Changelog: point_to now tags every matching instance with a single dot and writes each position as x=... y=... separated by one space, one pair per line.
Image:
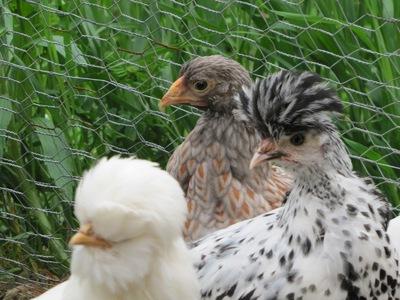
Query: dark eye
x=200 y=85
x=297 y=139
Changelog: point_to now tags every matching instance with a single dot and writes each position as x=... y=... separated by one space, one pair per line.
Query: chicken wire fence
x=82 y=79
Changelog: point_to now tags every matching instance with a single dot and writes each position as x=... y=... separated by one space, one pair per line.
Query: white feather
x=237 y=258
x=140 y=210
x=394 y=233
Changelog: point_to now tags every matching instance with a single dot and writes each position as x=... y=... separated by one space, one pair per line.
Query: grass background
x=82 y=79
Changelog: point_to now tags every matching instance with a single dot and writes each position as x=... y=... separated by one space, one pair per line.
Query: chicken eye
x=297 y=139
x=200 y=85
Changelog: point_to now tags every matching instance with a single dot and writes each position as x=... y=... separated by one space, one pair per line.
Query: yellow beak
x=85 y=237
x=267 y=150
x=180 y=93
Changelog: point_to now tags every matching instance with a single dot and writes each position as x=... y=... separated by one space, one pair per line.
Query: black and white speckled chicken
x=329 y=240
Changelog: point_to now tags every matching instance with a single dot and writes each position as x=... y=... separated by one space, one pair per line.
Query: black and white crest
x=287 y=102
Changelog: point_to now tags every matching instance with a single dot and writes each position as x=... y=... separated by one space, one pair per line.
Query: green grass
x=79 y=81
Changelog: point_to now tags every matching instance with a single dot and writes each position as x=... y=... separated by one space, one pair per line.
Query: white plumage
x=130 y=243
x=394 y=233
x=329 y=240
x=281 y=254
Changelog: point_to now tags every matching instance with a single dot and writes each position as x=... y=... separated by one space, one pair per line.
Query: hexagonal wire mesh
x=82 y=79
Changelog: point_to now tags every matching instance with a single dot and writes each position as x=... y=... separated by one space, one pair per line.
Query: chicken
x=212 y=164
x=130 y=244
x=394 y=233
x=329 y=240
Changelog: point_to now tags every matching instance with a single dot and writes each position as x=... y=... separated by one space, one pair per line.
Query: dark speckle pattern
x=328 y=241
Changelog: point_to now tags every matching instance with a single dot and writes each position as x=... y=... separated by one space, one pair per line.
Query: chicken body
x=309 y=248
x=329 y=240
x=212 y=164
x=130 y=243
x=167 y=275
x=394 y=233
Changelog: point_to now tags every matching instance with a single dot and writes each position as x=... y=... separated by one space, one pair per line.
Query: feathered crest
x=287 y=102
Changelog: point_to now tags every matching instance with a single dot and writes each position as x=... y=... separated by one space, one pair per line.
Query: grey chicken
x=212 y=164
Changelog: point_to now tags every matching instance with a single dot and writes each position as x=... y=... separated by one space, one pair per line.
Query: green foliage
x=80 y=80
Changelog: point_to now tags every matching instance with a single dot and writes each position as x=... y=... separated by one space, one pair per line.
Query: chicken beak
x=86 y=237
x=267 y=150
x=179 y=93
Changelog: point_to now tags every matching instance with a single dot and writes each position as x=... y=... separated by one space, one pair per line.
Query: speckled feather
x=329 y=241
x=212 y=164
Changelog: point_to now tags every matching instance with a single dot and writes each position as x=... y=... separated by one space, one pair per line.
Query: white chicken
x=394 y=233
x=129 y=245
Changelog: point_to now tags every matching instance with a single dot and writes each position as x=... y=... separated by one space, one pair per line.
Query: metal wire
x=82 y=79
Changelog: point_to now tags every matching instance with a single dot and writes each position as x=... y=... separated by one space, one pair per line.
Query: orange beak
x=86 y=237
x=180 y=93
x=267 y=150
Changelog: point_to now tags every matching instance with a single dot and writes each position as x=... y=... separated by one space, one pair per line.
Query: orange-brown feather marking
x=218 y=197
